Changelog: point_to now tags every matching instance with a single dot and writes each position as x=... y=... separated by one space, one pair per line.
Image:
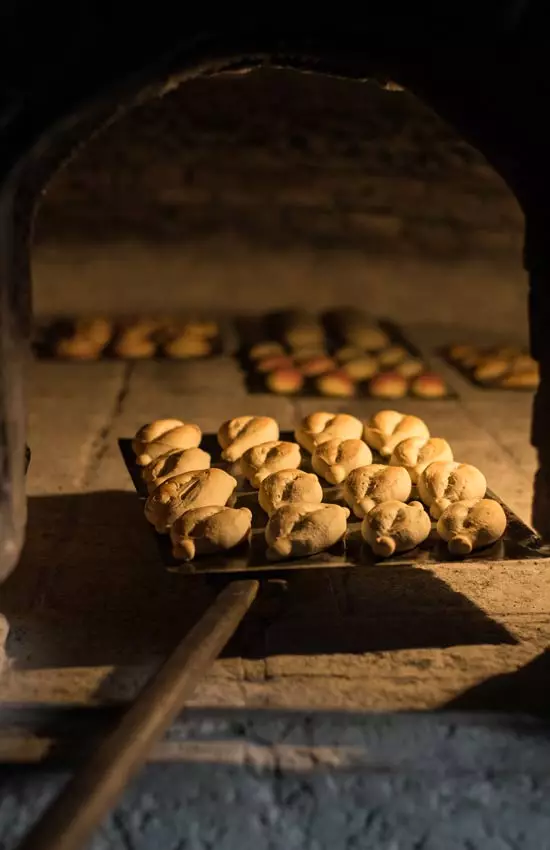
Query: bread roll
x=410 y=368
x=389 y=357
x=237 y=435
x=387 y=428
x=367 y=338
x=443 y=483
x=350 y=352
x=416 y=453
x=370 y=485
x=470 y=525
x=429 y=385
x=299 y=529
x=361 y=368
x=89 y=338
x=277 y=361
x=202 y=531
x=186 y=492
x=284 y=381
x=162 y=436
x=333 y=460
x=174 y=463
x=317 y=366
x=336 y=385
x=186 y=346
x=491 y=368
x=266 y=348
x=466 y=355
x=288 y=485
x=260 y=461
x=388 y=385
x=319 y=427
x=393 y=527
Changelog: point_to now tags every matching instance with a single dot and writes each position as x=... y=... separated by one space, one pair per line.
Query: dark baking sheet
x=49 y=331
x=484 y=385
x=253 y=329
x=519 y=543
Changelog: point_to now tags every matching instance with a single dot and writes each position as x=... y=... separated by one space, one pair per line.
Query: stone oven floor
x=92 y=611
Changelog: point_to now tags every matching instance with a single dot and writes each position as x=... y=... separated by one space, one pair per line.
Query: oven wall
x=273 y=188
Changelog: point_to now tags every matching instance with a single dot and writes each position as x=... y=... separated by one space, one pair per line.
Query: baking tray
x=49 y=331
x=468 y=373
x=253 y=329
x=519 y=542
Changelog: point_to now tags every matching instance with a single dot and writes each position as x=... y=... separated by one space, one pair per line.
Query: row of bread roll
x=137 y=339
x=187 y=498
x=508 y=367
x=415 y=459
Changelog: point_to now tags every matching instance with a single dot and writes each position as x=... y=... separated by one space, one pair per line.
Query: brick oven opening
x=231 y=200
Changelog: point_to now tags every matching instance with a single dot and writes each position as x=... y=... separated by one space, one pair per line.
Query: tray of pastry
x=130 y=338
x=504 y=367
x=343 y=353
x=338 y=492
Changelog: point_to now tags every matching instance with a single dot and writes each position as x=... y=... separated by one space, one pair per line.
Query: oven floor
x=91 y=610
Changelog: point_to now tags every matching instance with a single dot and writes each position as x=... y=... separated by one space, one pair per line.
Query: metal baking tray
x=50 y=330
x=519 y=542
x=253 y=329
x=468 y=373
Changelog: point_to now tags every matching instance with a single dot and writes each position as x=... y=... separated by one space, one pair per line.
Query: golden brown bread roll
x=392 y=527
x=266 y=348
x=429 y=385
x=388 y=385
x=410 y=368
x=370 y=485
x=443 y=483
x=89 y=338
x=317 y=366
x=333 y=460
x=416 y=453
x=288 y=485
x=174 y=463
x=387 y=428
x=466 y=526
x=284 y=381
x=361 y=368
x=391 y=356
x=336 y=385
x=186 y=346
x=237 y=435
x=260 y=461
x=277 y=361
x=162 y=436
x=319 y=427
x=203 y=531
x=300 y=529
x=186 y=492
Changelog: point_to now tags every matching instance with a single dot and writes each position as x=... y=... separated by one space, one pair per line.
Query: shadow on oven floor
x=90 y=590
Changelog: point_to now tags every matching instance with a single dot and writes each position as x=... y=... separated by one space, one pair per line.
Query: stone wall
x=281 y=159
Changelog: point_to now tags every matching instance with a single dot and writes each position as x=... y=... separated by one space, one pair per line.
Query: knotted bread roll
x=443 y=483
x=471 y=525
x=237 y=435
x=260 y=461
x=203 y=531
x=387 y=428
x=417 y=453
x=300 y=529
x=369 y=485
x=163 y=436
x=335 y=459
x=392 y=527
x=186 y=492
x=289 y=485
x=319 y=427
x=174 y=463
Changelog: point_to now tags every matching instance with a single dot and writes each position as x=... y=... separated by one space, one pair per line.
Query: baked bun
x=334 y=459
